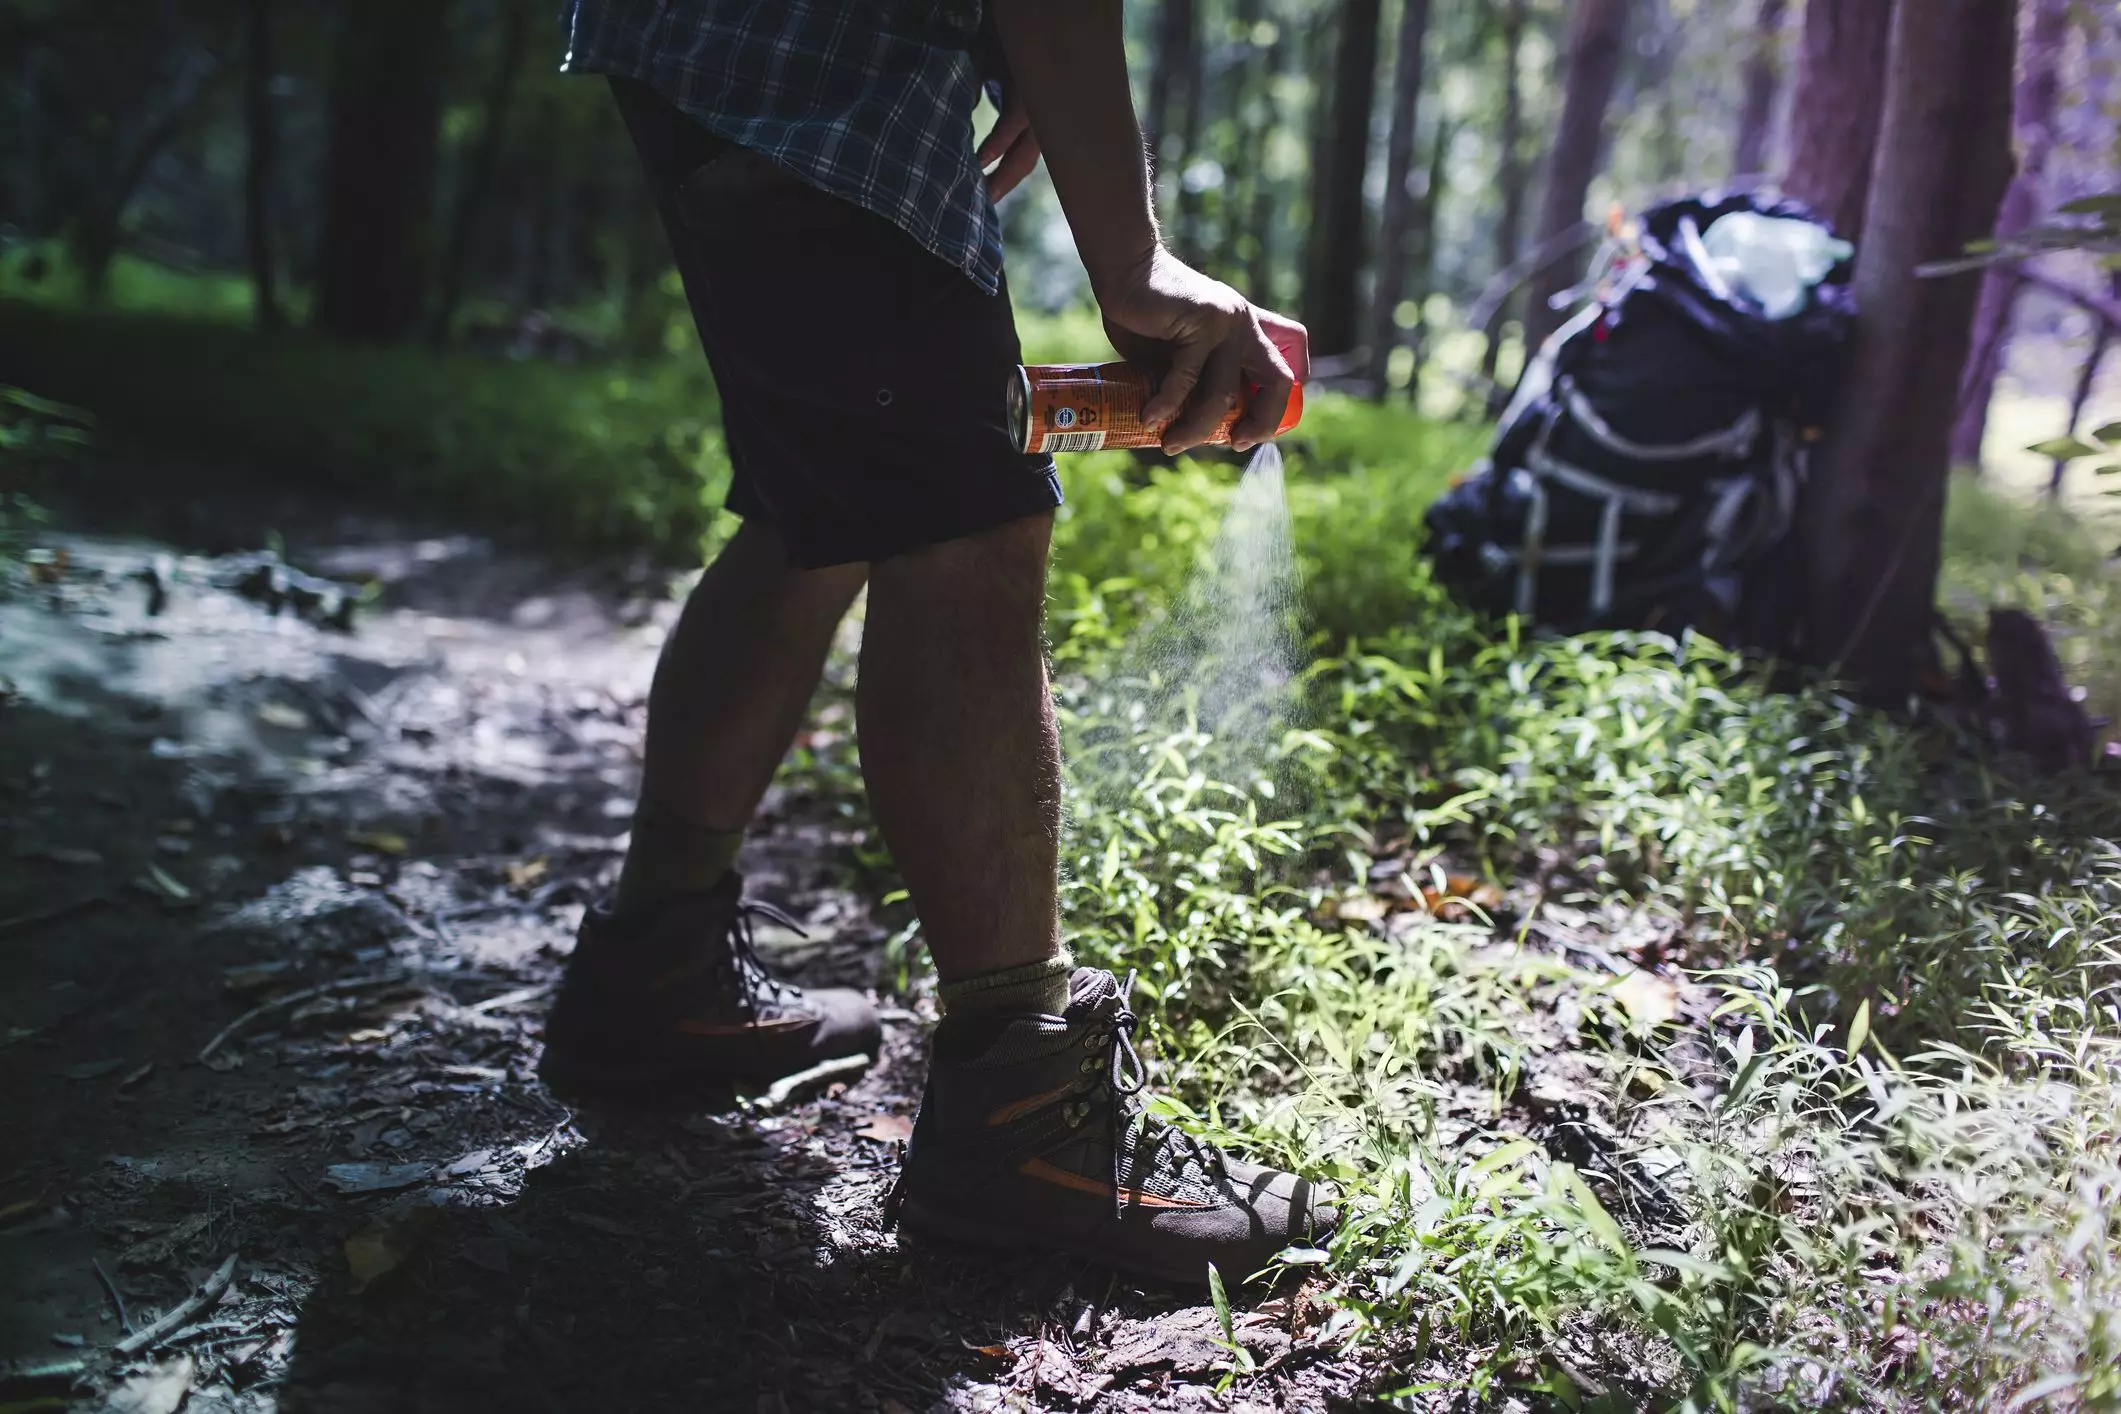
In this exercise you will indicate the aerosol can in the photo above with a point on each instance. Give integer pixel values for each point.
(1087, 407)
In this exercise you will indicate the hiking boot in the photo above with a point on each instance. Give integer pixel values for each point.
(686, 1000)
(1031, 1135)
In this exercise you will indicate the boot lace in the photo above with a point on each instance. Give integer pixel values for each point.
(1125, 1078)
(752, 977)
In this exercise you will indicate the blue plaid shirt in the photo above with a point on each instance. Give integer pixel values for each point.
(868, 100)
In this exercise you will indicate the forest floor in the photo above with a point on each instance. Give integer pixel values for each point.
(281, 911)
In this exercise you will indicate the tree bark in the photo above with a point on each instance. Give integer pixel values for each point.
(476, 189)
(1260, 272)
(1595, 45)
(264, 133)
(1399, 208)
(1763, 79)
(1512, 175)
(383, 145)
(1333, 269)
(2039, 89)
(1175, 38)
(1874, 509)
(1835, 111)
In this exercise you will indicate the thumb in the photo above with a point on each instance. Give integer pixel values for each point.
(1188, 358)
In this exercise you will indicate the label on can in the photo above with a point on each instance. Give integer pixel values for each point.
(1071, 442)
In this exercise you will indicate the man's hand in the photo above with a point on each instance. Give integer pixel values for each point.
(1009, 152)
(1214, 348)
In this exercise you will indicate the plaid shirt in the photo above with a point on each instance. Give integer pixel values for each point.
(868, 100)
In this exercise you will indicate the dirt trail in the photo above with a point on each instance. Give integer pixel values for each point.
(375, 846)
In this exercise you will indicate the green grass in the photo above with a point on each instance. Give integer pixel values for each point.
(1864, 1156)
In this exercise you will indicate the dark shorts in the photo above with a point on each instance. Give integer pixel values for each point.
(864, 381)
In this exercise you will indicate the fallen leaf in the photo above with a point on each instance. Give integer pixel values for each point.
(1459, 895)
(992, 1352)
(1647, 998)
(159, 1391)
(158, 883)
(384, 1245)
(279, 714)
(375, 1178)
(522, 876)
(68, 1340)
(137, 1074)
(887, 1129)
(254, 976)
(93, 1070)
(1365, 909)
(381, 841)
(46, 566)
(470, 1163)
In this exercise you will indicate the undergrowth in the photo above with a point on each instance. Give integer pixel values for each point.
(1675, 1041)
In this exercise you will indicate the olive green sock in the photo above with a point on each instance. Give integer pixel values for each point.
(667, 859)
(1033, 987)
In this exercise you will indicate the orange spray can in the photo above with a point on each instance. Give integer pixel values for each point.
(1086, 407)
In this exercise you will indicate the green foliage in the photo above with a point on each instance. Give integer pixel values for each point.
(37, 435)
(615, 456)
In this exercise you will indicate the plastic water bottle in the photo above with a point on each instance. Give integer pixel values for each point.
(1773, 261)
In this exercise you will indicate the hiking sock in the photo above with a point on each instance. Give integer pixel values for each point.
(1032, 987)
(666, 859)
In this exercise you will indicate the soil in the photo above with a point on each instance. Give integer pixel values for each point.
(280, 909)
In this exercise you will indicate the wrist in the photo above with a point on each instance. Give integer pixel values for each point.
(1123, 268)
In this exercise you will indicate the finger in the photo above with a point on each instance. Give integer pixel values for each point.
(1290, 339)
(1011, 125)
(1220, 383)
(1019, 162)
(1189, 355)
(1271, 380)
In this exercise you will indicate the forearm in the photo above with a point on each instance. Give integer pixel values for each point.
(1068, 60)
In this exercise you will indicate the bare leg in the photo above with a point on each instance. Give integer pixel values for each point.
(730, 690)
(959, 747)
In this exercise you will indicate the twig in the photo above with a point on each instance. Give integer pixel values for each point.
(178, 1315)
(23, 921)
(786, 1088)
(355, 984)
(125, 1320)
(509, 999)
(2091, 302)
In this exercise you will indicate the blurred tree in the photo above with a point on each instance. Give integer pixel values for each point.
(1332, 305)
(263, 131)
(1763, 79)
(1261, 270)
(380, 167)
(2039, 89)
(1596, 40)
(1400, 203)
(1173, 77)
(1873, 513)
(1835, 111)
(1512, 172)
(475, 188)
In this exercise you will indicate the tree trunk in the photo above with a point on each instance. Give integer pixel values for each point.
(1259, 274)
(97, 232)
(1399, 197)
(1192, 119)
(1512, 176)
(476, 189)
(1425, 250)
(1241, 174)
(382, 150)
(1333, 270)
(264, 134)
(1175, 39)
(1835, 111)
(1874, 510)
(544, 208)
(2034, 115)
(1594, 62)
(1763, 79)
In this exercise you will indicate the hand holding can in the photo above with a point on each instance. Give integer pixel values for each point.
(1087, 407)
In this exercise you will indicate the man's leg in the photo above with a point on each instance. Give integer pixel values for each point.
(962, 759)
(730, 691)
(664, 988)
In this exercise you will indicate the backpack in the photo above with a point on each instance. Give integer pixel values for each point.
(1647, 469)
